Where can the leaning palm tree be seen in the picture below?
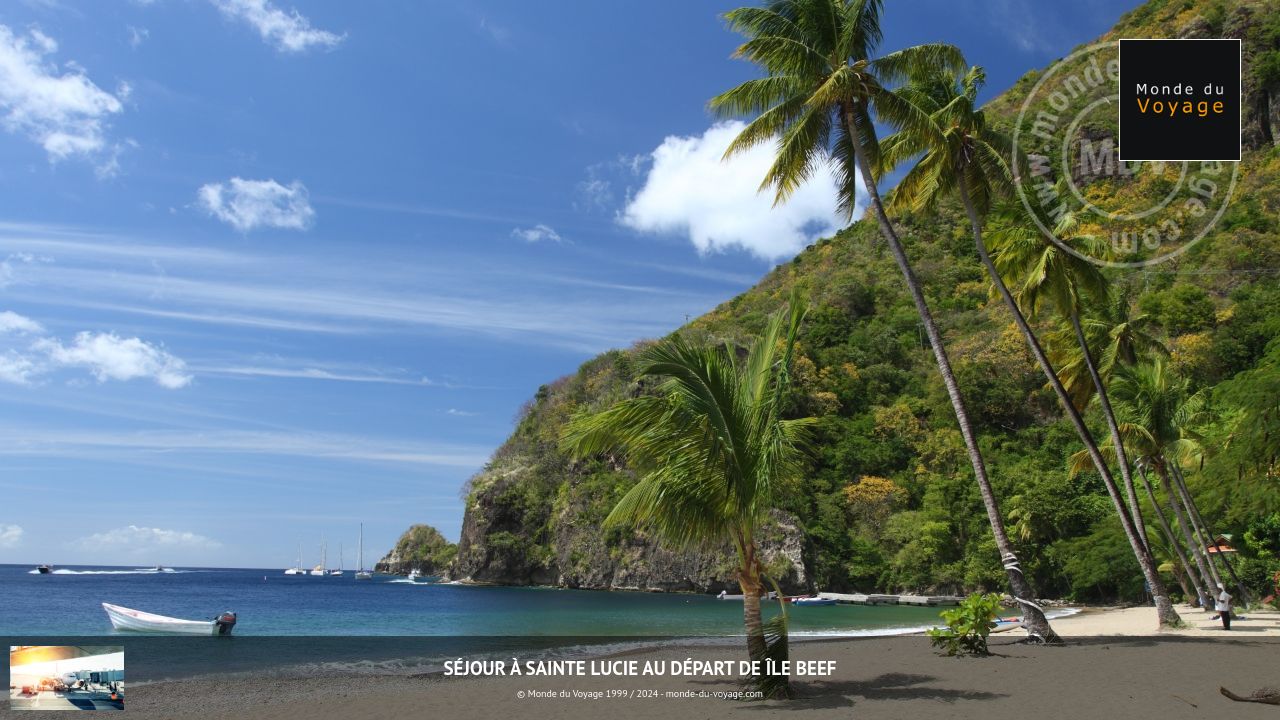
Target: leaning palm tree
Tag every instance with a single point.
(711, 450)
(1162, 415)
(960, 154)
(1044, 273)
(822, 85)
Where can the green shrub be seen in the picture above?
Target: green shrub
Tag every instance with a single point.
(967, 625)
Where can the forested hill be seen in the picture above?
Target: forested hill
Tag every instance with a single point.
(889, 502)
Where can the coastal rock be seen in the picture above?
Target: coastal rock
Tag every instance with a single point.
(534, 518)
(420, 548)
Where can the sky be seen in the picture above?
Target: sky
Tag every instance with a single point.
(272, 268)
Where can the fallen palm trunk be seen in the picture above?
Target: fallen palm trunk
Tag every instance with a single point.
(1267, 696)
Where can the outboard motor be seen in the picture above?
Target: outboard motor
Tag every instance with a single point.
(225, 622)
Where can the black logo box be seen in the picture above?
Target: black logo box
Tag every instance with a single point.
(1180, 63)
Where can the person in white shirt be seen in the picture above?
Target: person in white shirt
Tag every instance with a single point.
(1223, 606)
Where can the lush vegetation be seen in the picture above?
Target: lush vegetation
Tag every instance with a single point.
(420, 548)
(888, 499)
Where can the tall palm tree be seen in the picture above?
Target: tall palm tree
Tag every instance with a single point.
(711, 449)
(1175, 546)
(1155, 407)
(959, 153)
(1045, 273)
(821, 86)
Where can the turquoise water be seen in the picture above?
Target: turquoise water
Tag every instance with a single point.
(68, 602)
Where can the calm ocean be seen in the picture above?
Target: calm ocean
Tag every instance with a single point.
(69, 602)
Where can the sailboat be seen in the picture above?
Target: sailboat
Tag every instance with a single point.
(297, 569)
(319, 569)
(361, 573)
(339, 570)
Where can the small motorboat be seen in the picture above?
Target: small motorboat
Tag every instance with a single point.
(813, 601)
(44, 569)
(123, 618)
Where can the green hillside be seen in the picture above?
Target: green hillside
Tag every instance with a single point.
(888, 502)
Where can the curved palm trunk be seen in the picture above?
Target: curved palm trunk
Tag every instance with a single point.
(1122, 458)
(1206, 533)
(1179, 512)
(1201, 597)
(1033, 619)
(1168, 617)
(1189, 507)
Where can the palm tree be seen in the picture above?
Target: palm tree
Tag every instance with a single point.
(711, 450)
(1046, 273)
(1165, 417)
(1174, 546)
(822, 83)
(960, 154)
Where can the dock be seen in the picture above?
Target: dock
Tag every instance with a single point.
(875, 599)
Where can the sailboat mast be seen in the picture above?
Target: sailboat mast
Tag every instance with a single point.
(361, 546)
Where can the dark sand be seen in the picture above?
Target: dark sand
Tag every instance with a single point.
(1110, 677)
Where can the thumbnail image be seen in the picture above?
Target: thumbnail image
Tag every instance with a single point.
(66, 677)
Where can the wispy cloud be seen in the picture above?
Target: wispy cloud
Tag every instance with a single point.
(461, 413)
(537, 233)
(10, 536)
(311, 373)
(249, 204)
(29, 441)
(287, 31)
(61, 109)
(352, 294)
(137, 35)
(137, 541)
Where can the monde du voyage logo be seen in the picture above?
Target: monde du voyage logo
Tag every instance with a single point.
(1180, 100)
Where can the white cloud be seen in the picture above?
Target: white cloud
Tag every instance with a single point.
(248, 204)
(537, 233)
(12, 322)
(17, 369)
(287, 31)
(137, 35)
(691, 190)
(59, 108)
(139, 540)
(460, 413)
(110, 357)
(10, 536)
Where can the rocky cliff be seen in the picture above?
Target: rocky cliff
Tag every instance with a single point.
(420, 548)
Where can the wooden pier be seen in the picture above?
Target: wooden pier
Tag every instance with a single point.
(919, 600)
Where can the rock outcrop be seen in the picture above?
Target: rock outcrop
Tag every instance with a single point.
(420, 548)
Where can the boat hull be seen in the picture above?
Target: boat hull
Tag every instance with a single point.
(127, 619)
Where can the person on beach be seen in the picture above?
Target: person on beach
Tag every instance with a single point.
(1223, 606)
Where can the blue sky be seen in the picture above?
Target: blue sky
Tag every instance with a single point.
(269, 269)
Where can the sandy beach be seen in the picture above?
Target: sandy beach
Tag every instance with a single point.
(1112, 665)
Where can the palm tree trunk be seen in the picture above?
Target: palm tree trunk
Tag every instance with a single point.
(1201, 597)
(1162, 470)
(1168, 617)
(1207, 534)
(1131, 494)
(1033, 619)
(749, 579)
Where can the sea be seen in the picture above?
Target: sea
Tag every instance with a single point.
(306, 624)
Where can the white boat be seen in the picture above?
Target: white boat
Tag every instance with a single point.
(319, 569)
(297, 569)
(123, 618)
(335, 573)
(361, 573)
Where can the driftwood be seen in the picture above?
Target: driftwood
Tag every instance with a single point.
(1267, 696)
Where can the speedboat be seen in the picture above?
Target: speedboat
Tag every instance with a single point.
(123, 618)
(44, 569)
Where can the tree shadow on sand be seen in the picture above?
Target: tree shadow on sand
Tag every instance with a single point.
(820, 694)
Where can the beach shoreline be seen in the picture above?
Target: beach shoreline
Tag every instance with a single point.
(1112, 664)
